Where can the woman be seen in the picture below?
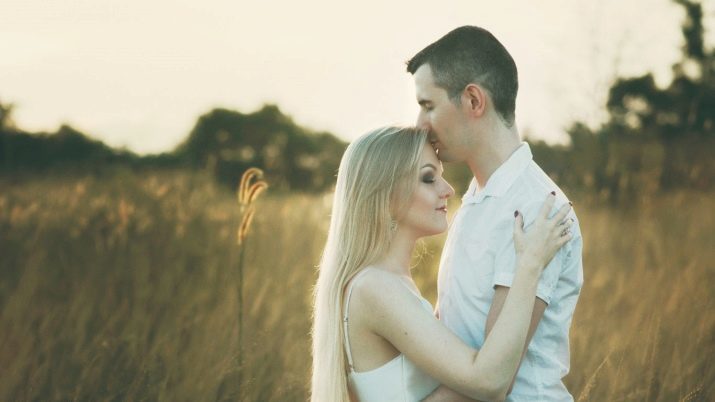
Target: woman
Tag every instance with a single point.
(374, 337)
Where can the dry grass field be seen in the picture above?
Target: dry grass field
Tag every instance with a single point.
(124, 287)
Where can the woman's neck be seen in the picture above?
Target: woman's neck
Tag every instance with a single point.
(399, 255)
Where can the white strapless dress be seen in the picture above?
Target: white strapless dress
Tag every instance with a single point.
(398, 380)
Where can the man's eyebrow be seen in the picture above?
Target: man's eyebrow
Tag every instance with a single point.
(423, 102)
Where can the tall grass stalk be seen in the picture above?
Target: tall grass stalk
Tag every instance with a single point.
(249, 188)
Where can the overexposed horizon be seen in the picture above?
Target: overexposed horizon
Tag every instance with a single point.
(138, 74)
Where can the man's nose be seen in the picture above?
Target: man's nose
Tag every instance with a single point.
(422, 121)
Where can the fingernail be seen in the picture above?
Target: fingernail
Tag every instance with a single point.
(553, 193)
(516, 213)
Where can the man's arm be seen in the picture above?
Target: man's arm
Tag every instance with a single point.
(500, 293)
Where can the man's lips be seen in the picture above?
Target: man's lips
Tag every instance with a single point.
(435, 146)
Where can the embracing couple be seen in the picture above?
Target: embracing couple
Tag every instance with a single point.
(510, 272)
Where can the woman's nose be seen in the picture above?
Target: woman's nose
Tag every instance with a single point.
(448, 191)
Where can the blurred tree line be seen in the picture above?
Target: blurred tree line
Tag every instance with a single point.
(228, 142)
(224, 142)
(655, 139)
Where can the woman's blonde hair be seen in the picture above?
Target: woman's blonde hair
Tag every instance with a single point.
(376, 180)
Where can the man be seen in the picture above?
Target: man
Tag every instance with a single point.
(466, 85)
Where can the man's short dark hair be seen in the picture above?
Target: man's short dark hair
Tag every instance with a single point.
(467, 55)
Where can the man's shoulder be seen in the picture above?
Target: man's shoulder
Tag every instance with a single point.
(533, 180)
(531, 188)
(534, 183)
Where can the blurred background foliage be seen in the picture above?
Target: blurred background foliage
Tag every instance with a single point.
(654, 140)
(224, 142)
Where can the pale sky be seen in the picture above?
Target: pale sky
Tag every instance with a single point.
(138, 73)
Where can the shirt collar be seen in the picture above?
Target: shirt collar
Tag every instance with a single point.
(502, 178)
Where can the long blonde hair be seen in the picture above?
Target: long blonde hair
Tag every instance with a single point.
(376, 179)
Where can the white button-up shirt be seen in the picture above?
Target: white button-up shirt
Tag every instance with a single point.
(479, 254)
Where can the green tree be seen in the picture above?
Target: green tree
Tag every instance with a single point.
(294, 158)
(655, 138)
(686, 107)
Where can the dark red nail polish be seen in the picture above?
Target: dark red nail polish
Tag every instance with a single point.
(553, 193)
(516, 213)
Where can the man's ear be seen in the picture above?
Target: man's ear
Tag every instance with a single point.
(475, 99)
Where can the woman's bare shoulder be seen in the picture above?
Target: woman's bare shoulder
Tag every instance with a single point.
(375, 282)
(378, 291)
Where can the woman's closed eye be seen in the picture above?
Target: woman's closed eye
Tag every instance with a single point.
(428, 178)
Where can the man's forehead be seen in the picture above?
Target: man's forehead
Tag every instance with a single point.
(423, 75)
(426, 90)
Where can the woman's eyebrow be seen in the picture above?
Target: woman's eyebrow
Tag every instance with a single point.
(429, 165)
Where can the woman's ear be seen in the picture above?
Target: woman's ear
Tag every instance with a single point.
(475, 99)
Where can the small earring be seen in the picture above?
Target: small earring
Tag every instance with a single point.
(393, 225)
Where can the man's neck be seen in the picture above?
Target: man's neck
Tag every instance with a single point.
(496, 147)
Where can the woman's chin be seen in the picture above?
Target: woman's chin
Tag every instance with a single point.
(434, 231)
